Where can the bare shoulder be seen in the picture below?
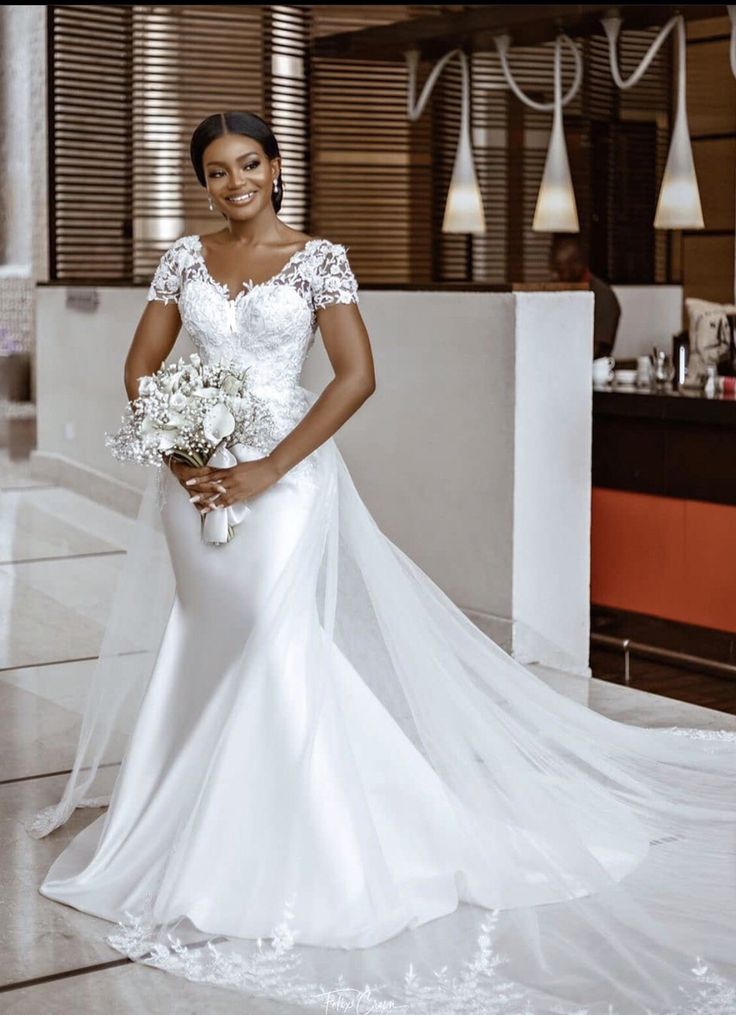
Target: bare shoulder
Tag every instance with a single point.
(297, 240)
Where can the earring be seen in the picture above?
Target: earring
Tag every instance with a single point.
(275, 184)
(212, 207)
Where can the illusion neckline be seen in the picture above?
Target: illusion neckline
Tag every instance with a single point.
(249, 286)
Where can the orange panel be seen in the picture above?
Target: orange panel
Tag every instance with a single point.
(665, 557)
(636, 551)
(710, 555)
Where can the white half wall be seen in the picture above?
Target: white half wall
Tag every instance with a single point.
(473, 454)
(552, 478)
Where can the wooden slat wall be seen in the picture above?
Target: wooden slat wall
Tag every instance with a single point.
(188, 62)
(90, 141)
(371, 167)
(128, 85)
(356, 169)
(287, 70)
(703, 260)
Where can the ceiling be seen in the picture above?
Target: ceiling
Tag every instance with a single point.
(473, 27)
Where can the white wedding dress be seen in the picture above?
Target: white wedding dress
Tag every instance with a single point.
(323, 779)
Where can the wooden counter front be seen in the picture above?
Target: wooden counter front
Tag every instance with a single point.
(663, 528)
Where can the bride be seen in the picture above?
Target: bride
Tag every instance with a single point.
(322, 784)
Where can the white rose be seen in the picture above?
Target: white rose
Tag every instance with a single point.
(175, 419)
(146, 385)
(166, 440)
(230, 385)
(240, 406)
(195, 360)
(178, 400)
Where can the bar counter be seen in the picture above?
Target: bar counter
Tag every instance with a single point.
(663, 528)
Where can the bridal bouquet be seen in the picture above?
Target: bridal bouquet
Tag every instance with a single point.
(201, 414)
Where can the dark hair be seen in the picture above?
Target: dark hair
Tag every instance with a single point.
(248, 124)
(564, 242)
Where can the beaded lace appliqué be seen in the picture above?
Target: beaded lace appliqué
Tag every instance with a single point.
(479, 989)
(269, 326)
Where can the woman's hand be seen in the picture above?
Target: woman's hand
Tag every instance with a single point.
(184, 473)
(217, 488)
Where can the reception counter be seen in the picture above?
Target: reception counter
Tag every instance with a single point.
(663, 526)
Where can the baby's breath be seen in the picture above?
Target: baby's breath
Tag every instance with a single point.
(186, 409)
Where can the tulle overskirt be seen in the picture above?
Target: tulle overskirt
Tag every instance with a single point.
(326, 785)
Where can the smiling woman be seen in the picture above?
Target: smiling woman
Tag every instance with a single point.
(242, 177)
(322, 750)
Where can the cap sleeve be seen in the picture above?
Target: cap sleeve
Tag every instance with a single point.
(333, 280)
(166, 282)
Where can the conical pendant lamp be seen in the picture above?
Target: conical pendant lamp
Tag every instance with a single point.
(464, 205)
(556, 211)
(678, 206)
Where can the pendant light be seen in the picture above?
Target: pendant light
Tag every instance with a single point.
(464, 205)
(679, 199)
(556, 210)
(678, 206)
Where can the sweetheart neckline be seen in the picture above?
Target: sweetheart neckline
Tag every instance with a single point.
(225, 288)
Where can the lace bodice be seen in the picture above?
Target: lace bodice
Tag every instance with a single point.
(269, 326)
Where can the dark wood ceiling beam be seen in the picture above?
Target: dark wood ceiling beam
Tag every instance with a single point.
(475, 29)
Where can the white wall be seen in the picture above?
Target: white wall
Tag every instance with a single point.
(432, 451)
(650, 315)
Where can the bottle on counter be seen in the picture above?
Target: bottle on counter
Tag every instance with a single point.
(680, 357)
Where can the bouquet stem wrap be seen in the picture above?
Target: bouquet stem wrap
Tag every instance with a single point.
(217, 523)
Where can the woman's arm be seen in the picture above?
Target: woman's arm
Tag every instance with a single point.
(153, 340)
(349, 350)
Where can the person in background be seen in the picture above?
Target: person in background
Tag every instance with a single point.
(568, 263)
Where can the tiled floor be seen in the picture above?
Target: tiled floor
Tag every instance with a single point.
(59, 555)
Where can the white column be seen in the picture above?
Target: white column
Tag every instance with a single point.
(20, 63)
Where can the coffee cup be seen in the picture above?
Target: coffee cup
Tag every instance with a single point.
(603, 369)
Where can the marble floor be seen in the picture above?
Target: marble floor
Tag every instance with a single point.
(59, 556)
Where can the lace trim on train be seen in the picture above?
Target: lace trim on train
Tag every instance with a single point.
(712, 736)
(48, 818)
(480, 989)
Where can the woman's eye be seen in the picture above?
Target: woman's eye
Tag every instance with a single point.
(250, 165)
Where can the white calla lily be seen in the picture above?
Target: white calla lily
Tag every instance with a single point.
(218, 422)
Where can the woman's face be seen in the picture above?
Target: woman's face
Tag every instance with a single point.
(239, 175)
